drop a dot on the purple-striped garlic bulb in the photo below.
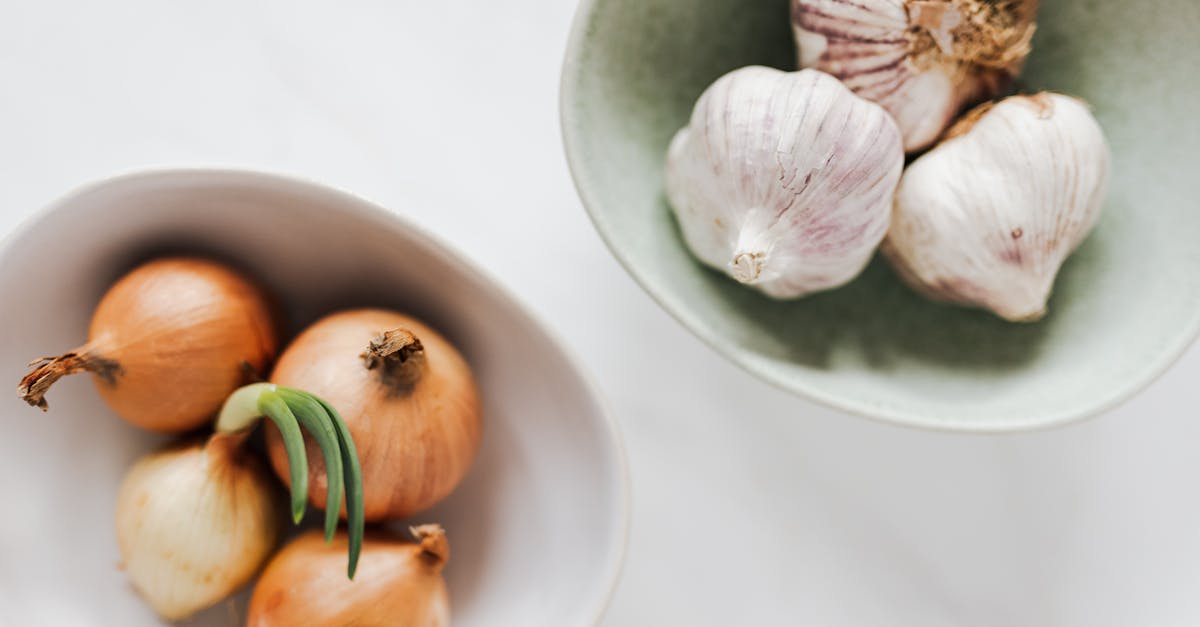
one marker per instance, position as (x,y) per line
(988,216)
(923,60)
(784,180)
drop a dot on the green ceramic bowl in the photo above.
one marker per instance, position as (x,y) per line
(1126,305)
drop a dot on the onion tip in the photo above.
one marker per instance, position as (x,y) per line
(434,546)
(398,356)
(47,370)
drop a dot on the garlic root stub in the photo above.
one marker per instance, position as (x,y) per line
(784,180)
(923,60)
(399,583)
(988,216)
(168,343)
(407,396)
(195,522)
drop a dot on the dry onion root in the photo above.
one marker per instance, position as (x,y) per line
(407,396)
(168,343)
(194,523)
(402,584)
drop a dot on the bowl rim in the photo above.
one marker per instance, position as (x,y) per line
(598,599)
(570,127)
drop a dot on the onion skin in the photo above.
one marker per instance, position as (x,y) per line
(416,441)
(399,584)
(168,343)
(195,522)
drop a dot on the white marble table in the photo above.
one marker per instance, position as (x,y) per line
(750,506)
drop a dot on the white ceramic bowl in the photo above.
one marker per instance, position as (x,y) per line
(538,529)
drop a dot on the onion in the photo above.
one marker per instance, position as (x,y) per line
(409,400)
(401,584)
(168,342)
(196,521)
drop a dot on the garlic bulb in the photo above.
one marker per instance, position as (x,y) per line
(195,522)
(784,180)
(923,60)
(988,216)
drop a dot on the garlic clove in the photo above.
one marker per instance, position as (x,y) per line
(988,216)
(922,60)
(194,523)
(784,180)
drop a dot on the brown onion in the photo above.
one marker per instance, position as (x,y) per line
(406,394)
(168,343)
(399,584)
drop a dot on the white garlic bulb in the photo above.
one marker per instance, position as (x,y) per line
(784,180)
(988,216)
(923,60)
(195,522)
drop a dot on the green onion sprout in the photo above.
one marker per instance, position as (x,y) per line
(291,409)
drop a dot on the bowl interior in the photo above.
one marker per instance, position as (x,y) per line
(1125,306)
(538,527)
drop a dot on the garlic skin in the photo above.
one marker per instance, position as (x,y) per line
(923,60)
(784,180)
(195,522)
(988,216)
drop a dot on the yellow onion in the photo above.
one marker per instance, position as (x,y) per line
(401,583)
(195,522)
(168,343)
(407,396)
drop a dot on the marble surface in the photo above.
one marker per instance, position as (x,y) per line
(750,506)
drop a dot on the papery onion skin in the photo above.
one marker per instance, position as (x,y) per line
(169,342)
(415,443)
(195,522)
(399,583)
